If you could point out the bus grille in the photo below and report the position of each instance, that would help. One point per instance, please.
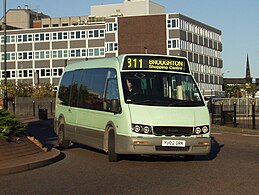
(173, 131)
(168, 148)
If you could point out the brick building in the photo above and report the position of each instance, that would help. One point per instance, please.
(38, 51)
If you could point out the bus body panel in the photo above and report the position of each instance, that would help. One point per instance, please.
(127, 145)
(168, 116)
(91, 126)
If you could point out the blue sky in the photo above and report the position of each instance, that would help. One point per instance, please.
(237, 19)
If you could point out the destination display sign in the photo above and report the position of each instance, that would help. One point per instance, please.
(159, 63)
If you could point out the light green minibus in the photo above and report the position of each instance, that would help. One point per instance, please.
(133, 104)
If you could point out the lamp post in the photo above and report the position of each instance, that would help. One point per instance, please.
(5, 64)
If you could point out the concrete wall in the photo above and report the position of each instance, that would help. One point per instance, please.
(128, 8)
(26, 106)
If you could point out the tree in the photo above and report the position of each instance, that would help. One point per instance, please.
(233, 91)
(250, 89)
(43, 90)
(9, 125)
(24, 89)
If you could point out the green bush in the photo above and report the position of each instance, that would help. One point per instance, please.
(9, 125)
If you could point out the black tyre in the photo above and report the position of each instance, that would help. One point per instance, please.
(62, 142)
(112, 155)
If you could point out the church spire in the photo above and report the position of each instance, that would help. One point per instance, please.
(248, 74)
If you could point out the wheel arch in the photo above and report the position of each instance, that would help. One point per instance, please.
(108, 127)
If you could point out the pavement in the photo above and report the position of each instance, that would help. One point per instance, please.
(27, 153)
(30, 153)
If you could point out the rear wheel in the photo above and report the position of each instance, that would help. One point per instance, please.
(62, 142)
(112, 155)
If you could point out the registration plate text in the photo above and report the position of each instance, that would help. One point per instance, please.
(175, 143)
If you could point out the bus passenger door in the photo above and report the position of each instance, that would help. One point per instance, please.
(73, 108)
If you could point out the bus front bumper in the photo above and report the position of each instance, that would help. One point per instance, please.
(153, 146)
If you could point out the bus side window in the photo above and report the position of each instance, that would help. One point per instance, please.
(111, 93)
(75, 88)
(64, 89)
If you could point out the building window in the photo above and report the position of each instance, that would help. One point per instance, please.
(173, 23)
(72, 35)
(110, 47)
(42, 72)
(30, 55)
(78, 34)
(90, 52)
(54, 36)
(24, 38)
(36, 37)
(47, 54)
(173, 44)
(47, 72)
(111, 27)
(42, 55)
(42, 36)
(60, 54)
(72, 53)
(60, 36)
(95, 33)
(20, 56)
(57, 71)
(65, 35)
(37, 55)
(78, 53)
(90, 34)
(83, 34)
(19, 38)
(65, 53)
(13, 74)
(84, 52)
(30, 37)
(54, 54)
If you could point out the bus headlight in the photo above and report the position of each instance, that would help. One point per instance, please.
(205, 129)
(197, 130)
(201, 130)
(144, 129)
(136, 128)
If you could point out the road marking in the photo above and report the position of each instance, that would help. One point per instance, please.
(216, 133)
(248, 135)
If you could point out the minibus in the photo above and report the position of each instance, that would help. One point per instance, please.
(142, 104)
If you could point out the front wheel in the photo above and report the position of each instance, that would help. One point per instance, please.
(112, 155)
(62, 142)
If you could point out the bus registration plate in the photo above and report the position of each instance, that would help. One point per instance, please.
(174, 143)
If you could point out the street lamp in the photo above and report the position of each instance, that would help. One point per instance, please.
(5, 65)
(145, 50)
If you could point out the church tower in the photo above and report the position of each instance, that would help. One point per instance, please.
(248, 74)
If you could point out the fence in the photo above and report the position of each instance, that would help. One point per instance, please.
(241, 113)
(26, 106)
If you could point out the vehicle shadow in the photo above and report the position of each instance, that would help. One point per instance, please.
(43, 130)
(215, 150)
